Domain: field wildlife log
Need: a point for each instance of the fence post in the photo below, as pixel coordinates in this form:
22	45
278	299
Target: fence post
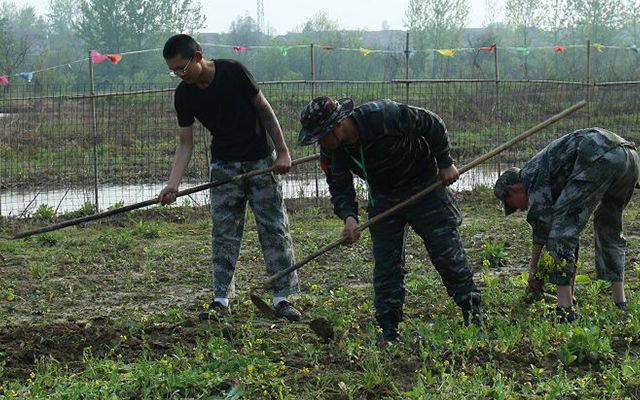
312	61
407	53
498	105
589	82
94	130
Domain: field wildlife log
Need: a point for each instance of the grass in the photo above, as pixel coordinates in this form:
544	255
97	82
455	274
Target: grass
109	310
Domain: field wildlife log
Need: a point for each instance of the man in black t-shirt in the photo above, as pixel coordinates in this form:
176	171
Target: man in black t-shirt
224	97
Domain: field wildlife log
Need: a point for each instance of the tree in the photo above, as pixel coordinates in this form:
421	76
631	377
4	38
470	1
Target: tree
61	18
22	37
524	15
631	21
443	21
244	31
126	25
556	18
597	20
319	22
135	24
435	24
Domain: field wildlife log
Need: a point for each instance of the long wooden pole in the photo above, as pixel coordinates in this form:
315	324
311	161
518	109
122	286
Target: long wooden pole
146	203
428	190
94	131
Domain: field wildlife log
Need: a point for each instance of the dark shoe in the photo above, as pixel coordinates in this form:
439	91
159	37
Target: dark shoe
388	337
621	306
286	310
470	306
389	325
566	315
387	340
216	311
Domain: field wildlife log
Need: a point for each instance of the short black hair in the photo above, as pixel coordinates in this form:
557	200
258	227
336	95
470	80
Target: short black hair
181	44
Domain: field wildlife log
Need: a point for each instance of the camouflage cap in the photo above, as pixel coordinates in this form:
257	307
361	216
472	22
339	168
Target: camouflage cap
509	177
320	116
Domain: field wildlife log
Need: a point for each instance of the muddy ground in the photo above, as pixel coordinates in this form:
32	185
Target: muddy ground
134	284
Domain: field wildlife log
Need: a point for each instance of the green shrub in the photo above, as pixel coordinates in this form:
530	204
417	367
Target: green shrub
493	254
585	345
45	212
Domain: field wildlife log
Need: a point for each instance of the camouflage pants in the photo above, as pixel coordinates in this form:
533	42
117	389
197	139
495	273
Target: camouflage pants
435	218
603	189
228	209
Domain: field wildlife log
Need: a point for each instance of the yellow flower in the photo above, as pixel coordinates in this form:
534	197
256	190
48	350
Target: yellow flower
305	371
314	288
123	338
205	306
486	263
32	375
250	369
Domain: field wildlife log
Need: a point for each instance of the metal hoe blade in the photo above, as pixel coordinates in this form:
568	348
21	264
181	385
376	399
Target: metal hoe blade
264	308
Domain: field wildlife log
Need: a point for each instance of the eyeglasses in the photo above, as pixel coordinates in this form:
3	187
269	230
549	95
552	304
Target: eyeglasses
181	71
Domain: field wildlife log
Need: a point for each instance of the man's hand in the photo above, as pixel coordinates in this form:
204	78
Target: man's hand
448	175
282	164
168	195
351	230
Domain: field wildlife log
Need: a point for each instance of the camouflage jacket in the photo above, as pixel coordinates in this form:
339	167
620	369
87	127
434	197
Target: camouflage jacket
564	159
399	147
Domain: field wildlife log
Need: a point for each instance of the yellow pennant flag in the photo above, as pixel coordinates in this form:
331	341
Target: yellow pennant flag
447	52
364	51
598	47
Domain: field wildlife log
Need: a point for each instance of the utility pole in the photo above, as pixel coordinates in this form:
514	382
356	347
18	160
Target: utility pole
260	20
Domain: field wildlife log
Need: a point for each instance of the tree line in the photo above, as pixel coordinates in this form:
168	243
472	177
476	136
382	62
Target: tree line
29	42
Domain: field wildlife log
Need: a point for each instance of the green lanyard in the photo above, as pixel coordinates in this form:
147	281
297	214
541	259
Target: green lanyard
363	167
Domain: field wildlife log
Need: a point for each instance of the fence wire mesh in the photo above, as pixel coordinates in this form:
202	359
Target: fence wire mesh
50	153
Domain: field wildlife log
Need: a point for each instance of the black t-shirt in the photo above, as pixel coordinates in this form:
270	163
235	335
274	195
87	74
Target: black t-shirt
225	109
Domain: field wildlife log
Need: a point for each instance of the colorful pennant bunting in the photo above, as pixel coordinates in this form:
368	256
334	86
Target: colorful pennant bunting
559	49
447	52
522	50
240	49
364	52
97	58
284	50
328	47
491	47
598	47
27	76
114	58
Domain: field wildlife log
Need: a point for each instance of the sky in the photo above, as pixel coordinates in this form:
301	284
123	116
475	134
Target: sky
283	16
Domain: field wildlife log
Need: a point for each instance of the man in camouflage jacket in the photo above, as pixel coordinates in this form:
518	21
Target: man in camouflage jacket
398	150
589	171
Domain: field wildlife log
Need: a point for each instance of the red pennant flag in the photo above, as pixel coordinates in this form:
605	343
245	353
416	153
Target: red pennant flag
239	49
114	58
328	47
97	58
491	47
559	49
